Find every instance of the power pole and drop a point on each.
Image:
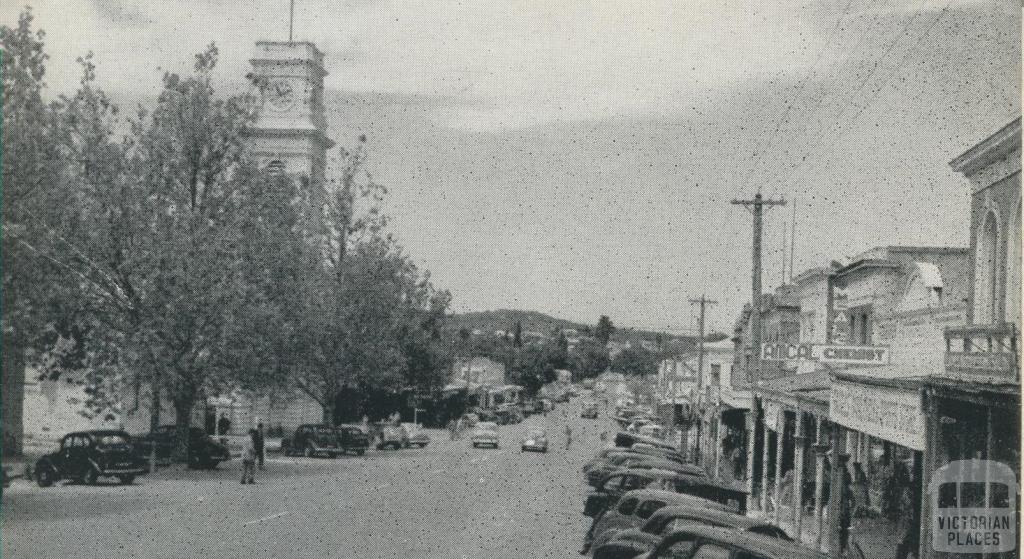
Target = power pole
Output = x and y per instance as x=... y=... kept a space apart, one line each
x=756 y=207
x=704 y=302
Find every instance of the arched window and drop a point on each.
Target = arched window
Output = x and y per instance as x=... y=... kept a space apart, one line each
x=985 y=270
x=1013 y=276
x=276 y=167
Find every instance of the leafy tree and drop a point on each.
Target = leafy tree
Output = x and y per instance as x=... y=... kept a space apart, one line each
x=589 y=359
x=517 y=335
x=635 y=361
x=604 y=329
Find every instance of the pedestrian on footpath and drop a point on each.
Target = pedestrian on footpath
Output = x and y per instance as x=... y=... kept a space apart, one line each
x=568 y=437
x=458 y=428
x=259 y=443
x=249 y=458
x=451 y=428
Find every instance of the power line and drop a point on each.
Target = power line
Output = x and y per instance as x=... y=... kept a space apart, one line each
x=800 y=89
x=844 y=130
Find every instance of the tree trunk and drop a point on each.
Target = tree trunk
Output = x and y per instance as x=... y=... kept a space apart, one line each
x=328 y=406
x=13 y=390
x=183 y=405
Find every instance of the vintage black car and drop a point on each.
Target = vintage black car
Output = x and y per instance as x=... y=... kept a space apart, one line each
x=203 y=451
x=354 y=439
x=314 y=440
x=612 y=487
x=689 y=542
x=90 y=455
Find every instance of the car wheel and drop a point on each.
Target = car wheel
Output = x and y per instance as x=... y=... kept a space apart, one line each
x=475 y=445
x=91 y=476
x=309 y=452
x=126 y=479
x=45 y=476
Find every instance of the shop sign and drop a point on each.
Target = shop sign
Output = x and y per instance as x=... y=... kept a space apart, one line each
x=887 y=413
x=827 y=353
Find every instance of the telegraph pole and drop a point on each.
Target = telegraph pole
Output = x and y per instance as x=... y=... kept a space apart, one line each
x=757 y=207
x=703 y=302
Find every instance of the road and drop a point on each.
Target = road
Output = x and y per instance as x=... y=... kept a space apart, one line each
x=448 y=500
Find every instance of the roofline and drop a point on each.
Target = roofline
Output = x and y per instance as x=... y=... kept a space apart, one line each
x=997 y=145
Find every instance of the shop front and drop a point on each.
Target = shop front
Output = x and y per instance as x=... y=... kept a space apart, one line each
x=880 y=422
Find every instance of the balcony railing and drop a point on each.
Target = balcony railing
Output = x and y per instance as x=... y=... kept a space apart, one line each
x=983 y=353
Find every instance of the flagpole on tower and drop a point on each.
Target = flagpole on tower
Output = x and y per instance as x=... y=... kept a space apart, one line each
x=291 y=20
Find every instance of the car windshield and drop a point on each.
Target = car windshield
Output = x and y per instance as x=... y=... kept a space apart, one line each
x=111 y=440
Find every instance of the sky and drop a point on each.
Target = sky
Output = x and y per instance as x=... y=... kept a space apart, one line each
x=579 y=157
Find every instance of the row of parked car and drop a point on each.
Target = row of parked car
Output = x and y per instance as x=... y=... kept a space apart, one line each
x=87 y=456
x=647 y=501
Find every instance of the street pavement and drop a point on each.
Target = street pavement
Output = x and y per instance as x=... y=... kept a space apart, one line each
x=447 y=500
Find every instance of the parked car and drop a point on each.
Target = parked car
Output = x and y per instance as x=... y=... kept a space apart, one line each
x=698 y=541
x=416 y=436
x=636 y=507
x=589 y=410
x=470 y=419
x=353 y=439
x=618 y=482
x=508 y=414
x=392 y=436
x=625 y=460
x=626 y=440
x=203 y=451
x=637 y=449
x=652 y=430
x=486 y=433
x=536 y=439
x=635 y=541
x=90 y=455
x=313 y=440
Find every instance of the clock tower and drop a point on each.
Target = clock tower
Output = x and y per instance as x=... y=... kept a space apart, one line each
x=289 y=134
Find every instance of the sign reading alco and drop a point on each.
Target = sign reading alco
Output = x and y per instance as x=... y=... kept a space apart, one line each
x=827 y=353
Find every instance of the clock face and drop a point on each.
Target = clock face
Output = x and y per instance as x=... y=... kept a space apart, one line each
x=280 y=95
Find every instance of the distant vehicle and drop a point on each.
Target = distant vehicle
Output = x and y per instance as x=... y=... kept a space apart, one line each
x=645 y=536
x=392 y=436
x=547 y=404
x=203 y=451
x=353 y=439
x=588 y=384
x=485 y=434
x=470 y=419
x=626 y=440
x=711 y=541
x=589 y=410
x=652 y=430
x=636 y=507
x=90 y=455
x=536 y=439
x=636 y=449
x=417 y=437
x=313 y=440
x=508 y=414
x=562 y=398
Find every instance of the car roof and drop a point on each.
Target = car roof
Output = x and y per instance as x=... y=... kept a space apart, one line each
x=668 y=474
x=99 y=432
x=718 y=514
x=673 y=499
x=772 y=548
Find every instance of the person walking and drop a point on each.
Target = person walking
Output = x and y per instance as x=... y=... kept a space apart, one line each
x=258 y=441
x=249 y=458
x=451 y=428
x=568 y=436
x=908 y=523
x=458 y=428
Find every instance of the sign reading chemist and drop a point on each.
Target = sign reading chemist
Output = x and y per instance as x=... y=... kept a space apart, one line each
x=827 y=353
